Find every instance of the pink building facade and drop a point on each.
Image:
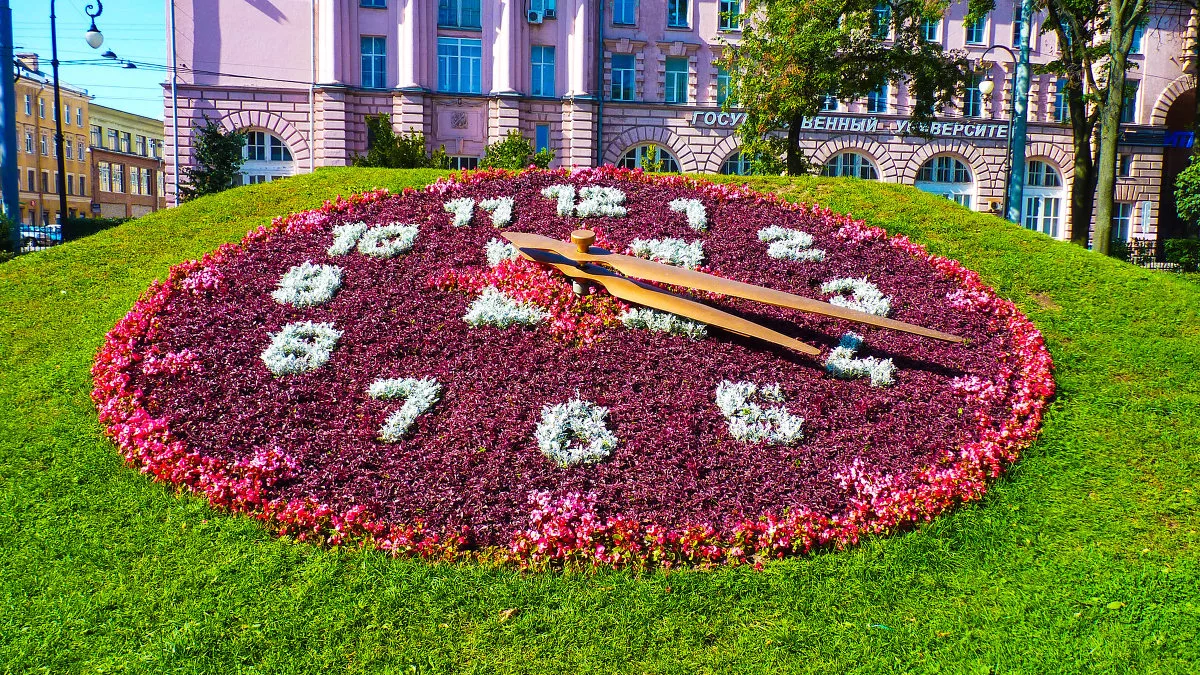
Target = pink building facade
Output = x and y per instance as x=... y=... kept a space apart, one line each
x=607 y=81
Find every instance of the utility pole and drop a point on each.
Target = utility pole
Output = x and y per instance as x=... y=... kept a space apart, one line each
x=9 y=172
x=58 y=133
x=1020 y=108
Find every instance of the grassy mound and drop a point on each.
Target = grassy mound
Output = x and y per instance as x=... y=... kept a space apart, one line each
x=1086 y=556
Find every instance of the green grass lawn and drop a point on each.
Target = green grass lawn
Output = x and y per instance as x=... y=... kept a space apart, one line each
x=1084 y=558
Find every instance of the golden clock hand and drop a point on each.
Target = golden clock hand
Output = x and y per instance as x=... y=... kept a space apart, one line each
x=644 y=294
x=582 y=252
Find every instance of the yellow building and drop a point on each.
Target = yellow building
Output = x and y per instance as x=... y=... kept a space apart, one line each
x=37 y=156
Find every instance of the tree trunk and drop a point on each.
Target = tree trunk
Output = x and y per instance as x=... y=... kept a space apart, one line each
x=1083 y=183
x=795 y=159
x=1110 y=133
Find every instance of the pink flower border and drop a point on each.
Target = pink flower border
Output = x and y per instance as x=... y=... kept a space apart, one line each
x=566 y=530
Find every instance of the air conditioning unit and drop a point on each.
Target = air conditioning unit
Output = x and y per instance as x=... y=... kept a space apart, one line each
x=551 y=13
x=995 y=206
x=535 y=16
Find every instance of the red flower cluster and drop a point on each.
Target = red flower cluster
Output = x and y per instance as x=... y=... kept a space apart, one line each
x=182 y=392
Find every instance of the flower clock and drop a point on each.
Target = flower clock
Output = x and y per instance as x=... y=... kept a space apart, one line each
x=408 y=372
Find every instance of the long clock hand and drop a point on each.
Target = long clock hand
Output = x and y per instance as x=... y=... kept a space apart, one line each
x=582 y=252
x=640 y=293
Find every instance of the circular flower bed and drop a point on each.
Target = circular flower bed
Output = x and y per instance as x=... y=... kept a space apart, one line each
x=385 y=370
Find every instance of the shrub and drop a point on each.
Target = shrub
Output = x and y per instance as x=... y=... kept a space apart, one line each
x=1187 y=195
x=218 y=161
x=389 y=150
x=1184 y=252
x=83 y=227
x=514 y=151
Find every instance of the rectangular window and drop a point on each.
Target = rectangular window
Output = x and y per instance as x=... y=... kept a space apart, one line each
x=125 y=142
x=146 y=181
x=377 y=4
x=45 y=181
x=973 y=99
x=70 y=184
x=29 y=178
x=542 y=58
x=877 y=101
x=256 y=146
x=97 y=137
x=881 y=20
x=118 y=178
x=28 y=105
x=45 y=145
x=722 y=86
x=678 y=14
x=105 y=177
x=29 y=142
x=1124 y=166
x=1122 y=221
x=547 y=8
x=458 y=13
x=975 y=30
x=82 y=186
x=56 y=182
x=624 y=86
x=42 y=108
x=931 y=29
x=79 y=149
x=1139 y=32
x=730 y=15
x=1016 y=25
x=112 y=139
x=140 y=145
x=677 y=81
x=461 y=163
x=374 y=61
x=541 y=137
x=70 y=148
x=459 y=64
x=1062 y=112
x=1129 y=110
x=134 y=183
x=829 y=103
x=624 y=12
x=79 y=117
x=67 y=116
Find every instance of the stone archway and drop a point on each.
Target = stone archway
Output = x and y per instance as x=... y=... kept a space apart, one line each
x=660 y=136
x=1175 y=110
x=973 y=156
x=870 y=149
x=266 y=121
x=721 y=152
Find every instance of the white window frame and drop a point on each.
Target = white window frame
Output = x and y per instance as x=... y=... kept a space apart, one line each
x=373 y=57
x=981 y=25
x=454 y=12
x=729 y=15
x=944 y=179
x=623 y=80
x=679 y=11
x=543 y=71
x=460 y=60
x=931 y=30
x=850 y=164
x=877 y=100
x=622 y=10
x=676 y=84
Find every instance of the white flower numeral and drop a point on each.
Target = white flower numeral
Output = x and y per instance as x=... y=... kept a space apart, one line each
x=864 y=296
x=670 y=251
x=498 y=251
x=501 y=209
x=575 y=433
x=493 y=307
x=462 y=208
x=787 y=244
x=382 y=241
x=419 y=396
x=697 y=215
x=300 y=347
x=842 y=364
x=594 y=201
x=663 y=322
x=308 y=285
x=749 y=422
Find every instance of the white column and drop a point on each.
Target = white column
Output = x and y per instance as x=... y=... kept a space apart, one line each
x=406 y=47
x=504 y=60
x=577 y=61
x=327 y=42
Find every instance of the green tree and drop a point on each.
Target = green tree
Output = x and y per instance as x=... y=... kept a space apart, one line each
x=1187 y=196
x=514 y=151
x=218 y=155
x=794 y=53
x=389 y=150
x=1124 y=18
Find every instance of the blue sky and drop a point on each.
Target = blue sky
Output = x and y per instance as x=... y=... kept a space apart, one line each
x=134 y=29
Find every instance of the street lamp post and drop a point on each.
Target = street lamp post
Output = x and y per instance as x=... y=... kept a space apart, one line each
x=94 y=39
x=9 y=179
x=1014 y=184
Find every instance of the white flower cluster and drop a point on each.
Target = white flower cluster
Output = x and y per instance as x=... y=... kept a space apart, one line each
x=697 y=215
x=462 y=208
x=565 y=194
x=419 y=396
x=788 y=244
x=384 y=241
x=345 y=237
x=751 y=423
x=300 y=347
x=308 y=285
x=501 y=209
x=842 y=364
x=663 y=322
x=574 y=433
x=864 y=295
x=499 y=251
x=670 y=251
x=594 y=201
x=495 y=308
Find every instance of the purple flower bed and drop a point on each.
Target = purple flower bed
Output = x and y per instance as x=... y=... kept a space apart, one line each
x=183 y=389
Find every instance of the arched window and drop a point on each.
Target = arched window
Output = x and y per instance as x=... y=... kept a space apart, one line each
x=738 y=164
x=266 y=158
x=949 y=177
x=850 y=165
x=1044 y=197
x=639 y=156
